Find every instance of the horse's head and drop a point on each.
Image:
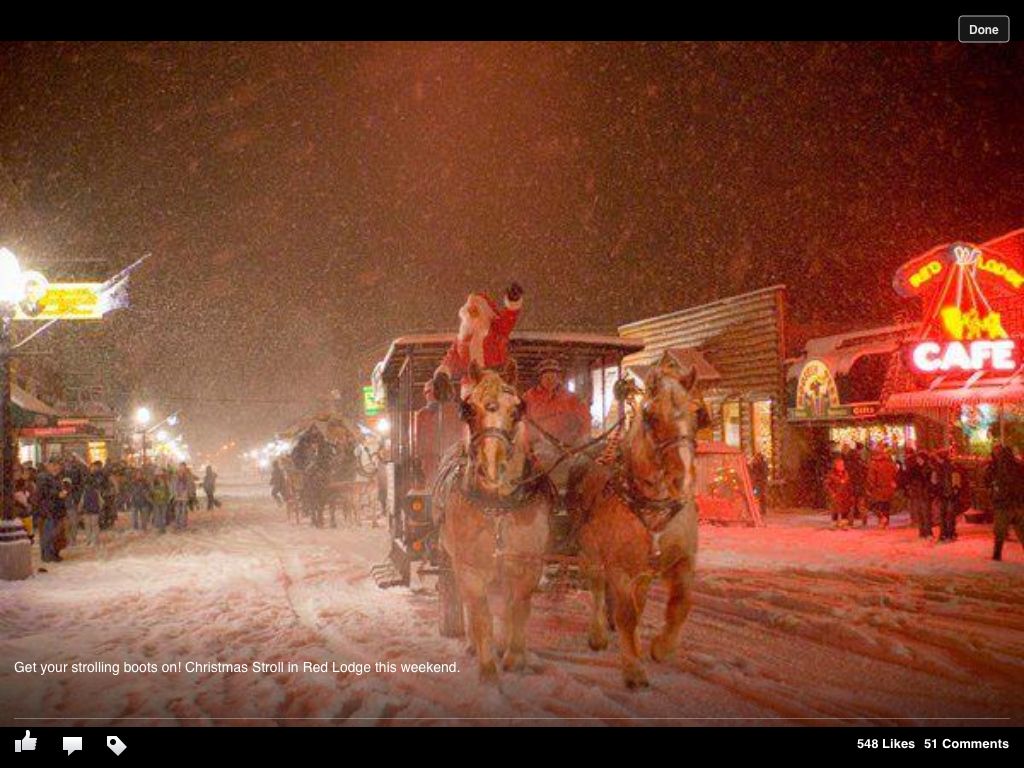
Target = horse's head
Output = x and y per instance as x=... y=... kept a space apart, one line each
x=493 y=410
x=673 y=412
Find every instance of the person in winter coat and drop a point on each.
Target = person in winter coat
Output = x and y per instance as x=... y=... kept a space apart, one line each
x=553 y=411
x=952 y=480
x=209 y=486
x=139 y=500
x=160 y=495
x=840 y=494
x=181 y=490
x=48 y=505
x=90 y=506
x=71 y=516
x=277 y=483
x=881 y=485
x=858 y=472
x=915 y=485
x=1005 y=479
x=759 y=479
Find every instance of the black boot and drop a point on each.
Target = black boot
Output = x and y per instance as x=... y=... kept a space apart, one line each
x=997 y=551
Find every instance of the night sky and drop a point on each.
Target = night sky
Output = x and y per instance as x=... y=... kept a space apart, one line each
x=305 y=203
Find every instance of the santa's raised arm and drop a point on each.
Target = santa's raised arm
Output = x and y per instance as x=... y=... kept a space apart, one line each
x=484 y=329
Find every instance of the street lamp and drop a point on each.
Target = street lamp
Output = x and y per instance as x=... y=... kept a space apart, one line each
x=142 y=417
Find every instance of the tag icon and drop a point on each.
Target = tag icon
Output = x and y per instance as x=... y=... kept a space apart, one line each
x=116 y=745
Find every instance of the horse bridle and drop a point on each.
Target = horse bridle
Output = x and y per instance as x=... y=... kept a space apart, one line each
x=496 y=433
x=663 y=446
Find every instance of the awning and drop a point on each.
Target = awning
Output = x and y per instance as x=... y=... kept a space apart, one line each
x=941 y=398
x=28 y=410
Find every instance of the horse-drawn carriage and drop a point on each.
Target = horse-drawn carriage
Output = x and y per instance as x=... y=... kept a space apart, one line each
x=422 y=433
x=329 y=459
x=449 y=517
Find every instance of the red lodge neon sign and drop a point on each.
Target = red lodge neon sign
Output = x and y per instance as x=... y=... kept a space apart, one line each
x=962 y=333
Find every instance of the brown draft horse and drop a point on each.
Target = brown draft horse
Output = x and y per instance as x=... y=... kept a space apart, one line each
x=495 y=527
x=637 y=518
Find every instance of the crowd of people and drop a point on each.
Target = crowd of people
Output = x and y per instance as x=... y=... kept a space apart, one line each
x=65 y=497
x=935 y=489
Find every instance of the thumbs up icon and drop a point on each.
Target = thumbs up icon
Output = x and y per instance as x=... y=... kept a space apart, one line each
x=27 y=744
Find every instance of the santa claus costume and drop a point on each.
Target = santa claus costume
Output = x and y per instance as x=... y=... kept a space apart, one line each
x=484 y=330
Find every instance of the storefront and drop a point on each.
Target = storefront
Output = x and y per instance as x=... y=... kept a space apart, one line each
x=76 y=436
x=959 y=372
x=835 y=392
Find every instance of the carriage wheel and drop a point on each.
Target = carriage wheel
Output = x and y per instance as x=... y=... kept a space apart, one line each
x=450 y=621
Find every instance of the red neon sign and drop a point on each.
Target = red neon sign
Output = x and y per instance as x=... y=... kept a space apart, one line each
x=933 y=357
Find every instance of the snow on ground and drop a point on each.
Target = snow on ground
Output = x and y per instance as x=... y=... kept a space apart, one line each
x=794 y=624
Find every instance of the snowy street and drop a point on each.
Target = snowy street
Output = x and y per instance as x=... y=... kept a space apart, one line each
x=794 y=623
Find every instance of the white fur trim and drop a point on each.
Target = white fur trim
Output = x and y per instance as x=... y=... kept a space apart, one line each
x=476 y=349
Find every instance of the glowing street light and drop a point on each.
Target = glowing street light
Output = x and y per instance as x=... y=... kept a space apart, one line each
x=143 y=416
x=12 y=281
x=384 y=426
x=162 y=436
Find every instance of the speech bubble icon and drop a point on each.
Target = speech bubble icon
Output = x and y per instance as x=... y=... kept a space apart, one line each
x=72 y=744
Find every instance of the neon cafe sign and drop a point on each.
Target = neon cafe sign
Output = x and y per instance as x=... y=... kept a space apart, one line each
x=962 y=332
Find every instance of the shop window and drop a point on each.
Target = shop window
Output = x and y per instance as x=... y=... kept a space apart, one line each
x=731 y=423
x=895 y=437
x=27 y=453
x=603 y=410
x=979 y=427
x=97 y=451
x=761 y=428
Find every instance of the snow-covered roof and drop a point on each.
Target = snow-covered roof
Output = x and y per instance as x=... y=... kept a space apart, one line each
x=840 y=351
x=692 y=310
x=528 y=348
x=29 y=402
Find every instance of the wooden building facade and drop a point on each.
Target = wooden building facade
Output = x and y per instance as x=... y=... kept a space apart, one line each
x=738 y=345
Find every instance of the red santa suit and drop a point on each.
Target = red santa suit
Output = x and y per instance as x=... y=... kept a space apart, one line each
x=483 y=335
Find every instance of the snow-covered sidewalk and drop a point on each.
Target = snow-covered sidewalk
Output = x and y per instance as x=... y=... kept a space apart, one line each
x=794 y=623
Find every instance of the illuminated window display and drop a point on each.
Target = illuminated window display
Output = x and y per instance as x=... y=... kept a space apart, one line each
x=761 y=428
x=731 y=424
x=895 y=437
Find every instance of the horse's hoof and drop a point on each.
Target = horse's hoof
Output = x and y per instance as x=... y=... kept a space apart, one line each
x=514 y=662
x=597 y=642
x=489 y=673
x=635 y=678
x=661 y=649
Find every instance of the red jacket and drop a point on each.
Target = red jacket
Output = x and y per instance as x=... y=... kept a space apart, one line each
x=495 y=345
x=560 y=412
x=840 y=491
x=881 y=478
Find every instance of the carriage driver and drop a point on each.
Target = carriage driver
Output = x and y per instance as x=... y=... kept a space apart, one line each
x=559 y=413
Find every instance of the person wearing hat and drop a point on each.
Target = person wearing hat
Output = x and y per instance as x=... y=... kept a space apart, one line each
x=484 y=329
x=558 y=412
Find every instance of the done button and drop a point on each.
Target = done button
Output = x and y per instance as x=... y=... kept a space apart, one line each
x=984 y=29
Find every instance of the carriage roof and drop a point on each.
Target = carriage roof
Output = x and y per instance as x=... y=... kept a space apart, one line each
x=529 y=348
